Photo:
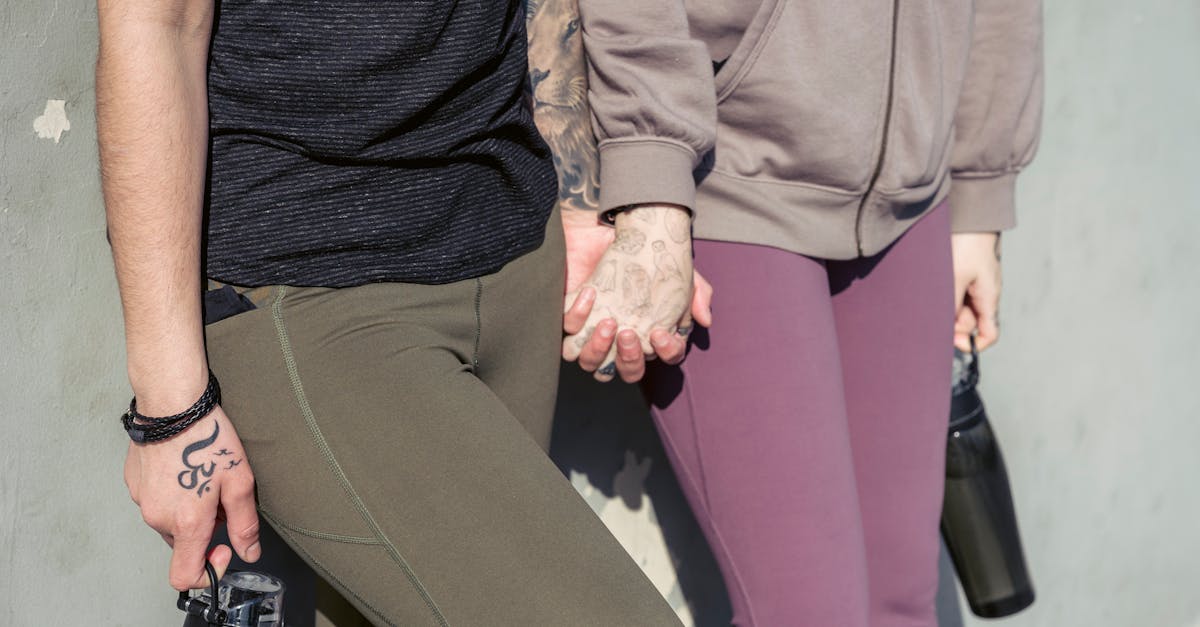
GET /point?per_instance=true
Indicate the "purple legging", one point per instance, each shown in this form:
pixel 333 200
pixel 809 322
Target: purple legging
pixel 808 428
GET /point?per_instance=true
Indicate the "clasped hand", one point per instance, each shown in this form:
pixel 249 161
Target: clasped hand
pixel 640 296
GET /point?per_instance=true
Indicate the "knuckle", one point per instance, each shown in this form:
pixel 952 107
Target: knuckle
pixel 238 488
pixel 249 533
pixel 154 519
pixel 180 582
pixel 188 521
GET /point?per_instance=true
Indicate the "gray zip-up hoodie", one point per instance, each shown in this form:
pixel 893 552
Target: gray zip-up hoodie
pixel 832 125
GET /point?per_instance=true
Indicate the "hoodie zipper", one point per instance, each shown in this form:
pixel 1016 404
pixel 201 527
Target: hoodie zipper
pixel 887 125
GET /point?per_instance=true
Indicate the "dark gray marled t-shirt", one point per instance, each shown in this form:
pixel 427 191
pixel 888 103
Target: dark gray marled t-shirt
pixel 357 141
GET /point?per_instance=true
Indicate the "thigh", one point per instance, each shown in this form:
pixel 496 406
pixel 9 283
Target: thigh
pixel 402 478
pixel 895 324
pixel 520 332
pixel 754 422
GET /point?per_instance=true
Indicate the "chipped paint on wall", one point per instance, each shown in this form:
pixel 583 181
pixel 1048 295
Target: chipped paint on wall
pixel 53 122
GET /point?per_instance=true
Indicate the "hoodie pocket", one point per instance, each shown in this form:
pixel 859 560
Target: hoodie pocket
pixel 803 96
pixel 933 39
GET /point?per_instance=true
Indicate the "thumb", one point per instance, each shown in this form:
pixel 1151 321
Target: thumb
pixel 701 310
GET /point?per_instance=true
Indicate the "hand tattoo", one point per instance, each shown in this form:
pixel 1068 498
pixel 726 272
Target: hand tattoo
pixel 190 479
pixel 636 290
pixel 222 452
pixel 605 277
pixel 667 314
pixel 645 216
pixel 232 463
pixel 629 241
pixel 665 267
pixel 679 226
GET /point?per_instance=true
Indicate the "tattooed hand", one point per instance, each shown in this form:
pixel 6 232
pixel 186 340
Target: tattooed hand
pixel 641 292
pixel 186 484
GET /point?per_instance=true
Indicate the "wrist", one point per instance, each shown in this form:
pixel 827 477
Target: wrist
pixel 650 212
pixel 582 220
pixel 143 428
pixel 168 389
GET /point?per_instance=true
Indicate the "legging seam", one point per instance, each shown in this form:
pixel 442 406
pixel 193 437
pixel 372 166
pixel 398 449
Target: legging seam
pixel 329 576
pixel 320 535
pixel 737 576
pixel 323 445
pixel 478 323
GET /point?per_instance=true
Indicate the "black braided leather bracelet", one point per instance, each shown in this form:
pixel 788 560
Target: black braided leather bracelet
pixel 146 429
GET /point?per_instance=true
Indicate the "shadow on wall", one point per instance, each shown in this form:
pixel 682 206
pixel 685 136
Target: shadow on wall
pixel 605 442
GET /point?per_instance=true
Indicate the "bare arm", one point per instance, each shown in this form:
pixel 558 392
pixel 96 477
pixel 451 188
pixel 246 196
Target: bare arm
pixel 152 119
pixel 152 122
pixel 998 122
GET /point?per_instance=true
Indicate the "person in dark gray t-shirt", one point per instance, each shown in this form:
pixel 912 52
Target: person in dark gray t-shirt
pixel 367 175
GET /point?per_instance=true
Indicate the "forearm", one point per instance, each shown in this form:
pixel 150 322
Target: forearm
pixel 998 119
pixel 558 79
pixel 650 87
pixel 152 123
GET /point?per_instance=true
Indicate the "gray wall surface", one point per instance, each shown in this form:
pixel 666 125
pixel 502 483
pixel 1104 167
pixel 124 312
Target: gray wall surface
pixel 70 546
pixel 1091 389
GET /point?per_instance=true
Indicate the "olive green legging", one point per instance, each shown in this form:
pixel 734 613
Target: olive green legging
pixel 397 433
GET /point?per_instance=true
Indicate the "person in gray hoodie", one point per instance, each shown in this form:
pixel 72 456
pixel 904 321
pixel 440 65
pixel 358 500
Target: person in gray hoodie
pixel 846 170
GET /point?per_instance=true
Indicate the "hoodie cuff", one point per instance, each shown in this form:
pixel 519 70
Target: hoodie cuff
pixel 983 204
pixel 640 172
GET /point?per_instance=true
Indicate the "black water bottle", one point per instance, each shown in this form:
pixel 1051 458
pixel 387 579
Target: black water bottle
pixel 978 521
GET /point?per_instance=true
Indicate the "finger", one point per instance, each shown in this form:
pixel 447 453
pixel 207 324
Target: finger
pixel 987 323
pixel 670 347
pixel 961 283
pixel 702 294
pixel 241 516
pixel 984 295
pixel 630 360
pixel 608 369
pixel 220 557
pixel 573 344
pixel 595 351
pixel 187 557
pixel 964 327
pixel 578 309
pixel 684 328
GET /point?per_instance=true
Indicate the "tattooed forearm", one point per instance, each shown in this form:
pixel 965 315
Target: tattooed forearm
pixel 558 94
pixel 198 476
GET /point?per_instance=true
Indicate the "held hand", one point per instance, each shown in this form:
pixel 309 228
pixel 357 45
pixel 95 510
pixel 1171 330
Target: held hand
pixel 586 241
pixel 184 485
pixel 976 289
pixel 642 286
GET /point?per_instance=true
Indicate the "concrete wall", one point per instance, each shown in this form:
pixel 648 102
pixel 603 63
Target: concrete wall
pixel 1092 389
pixel 70 546
pixel 1094 384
